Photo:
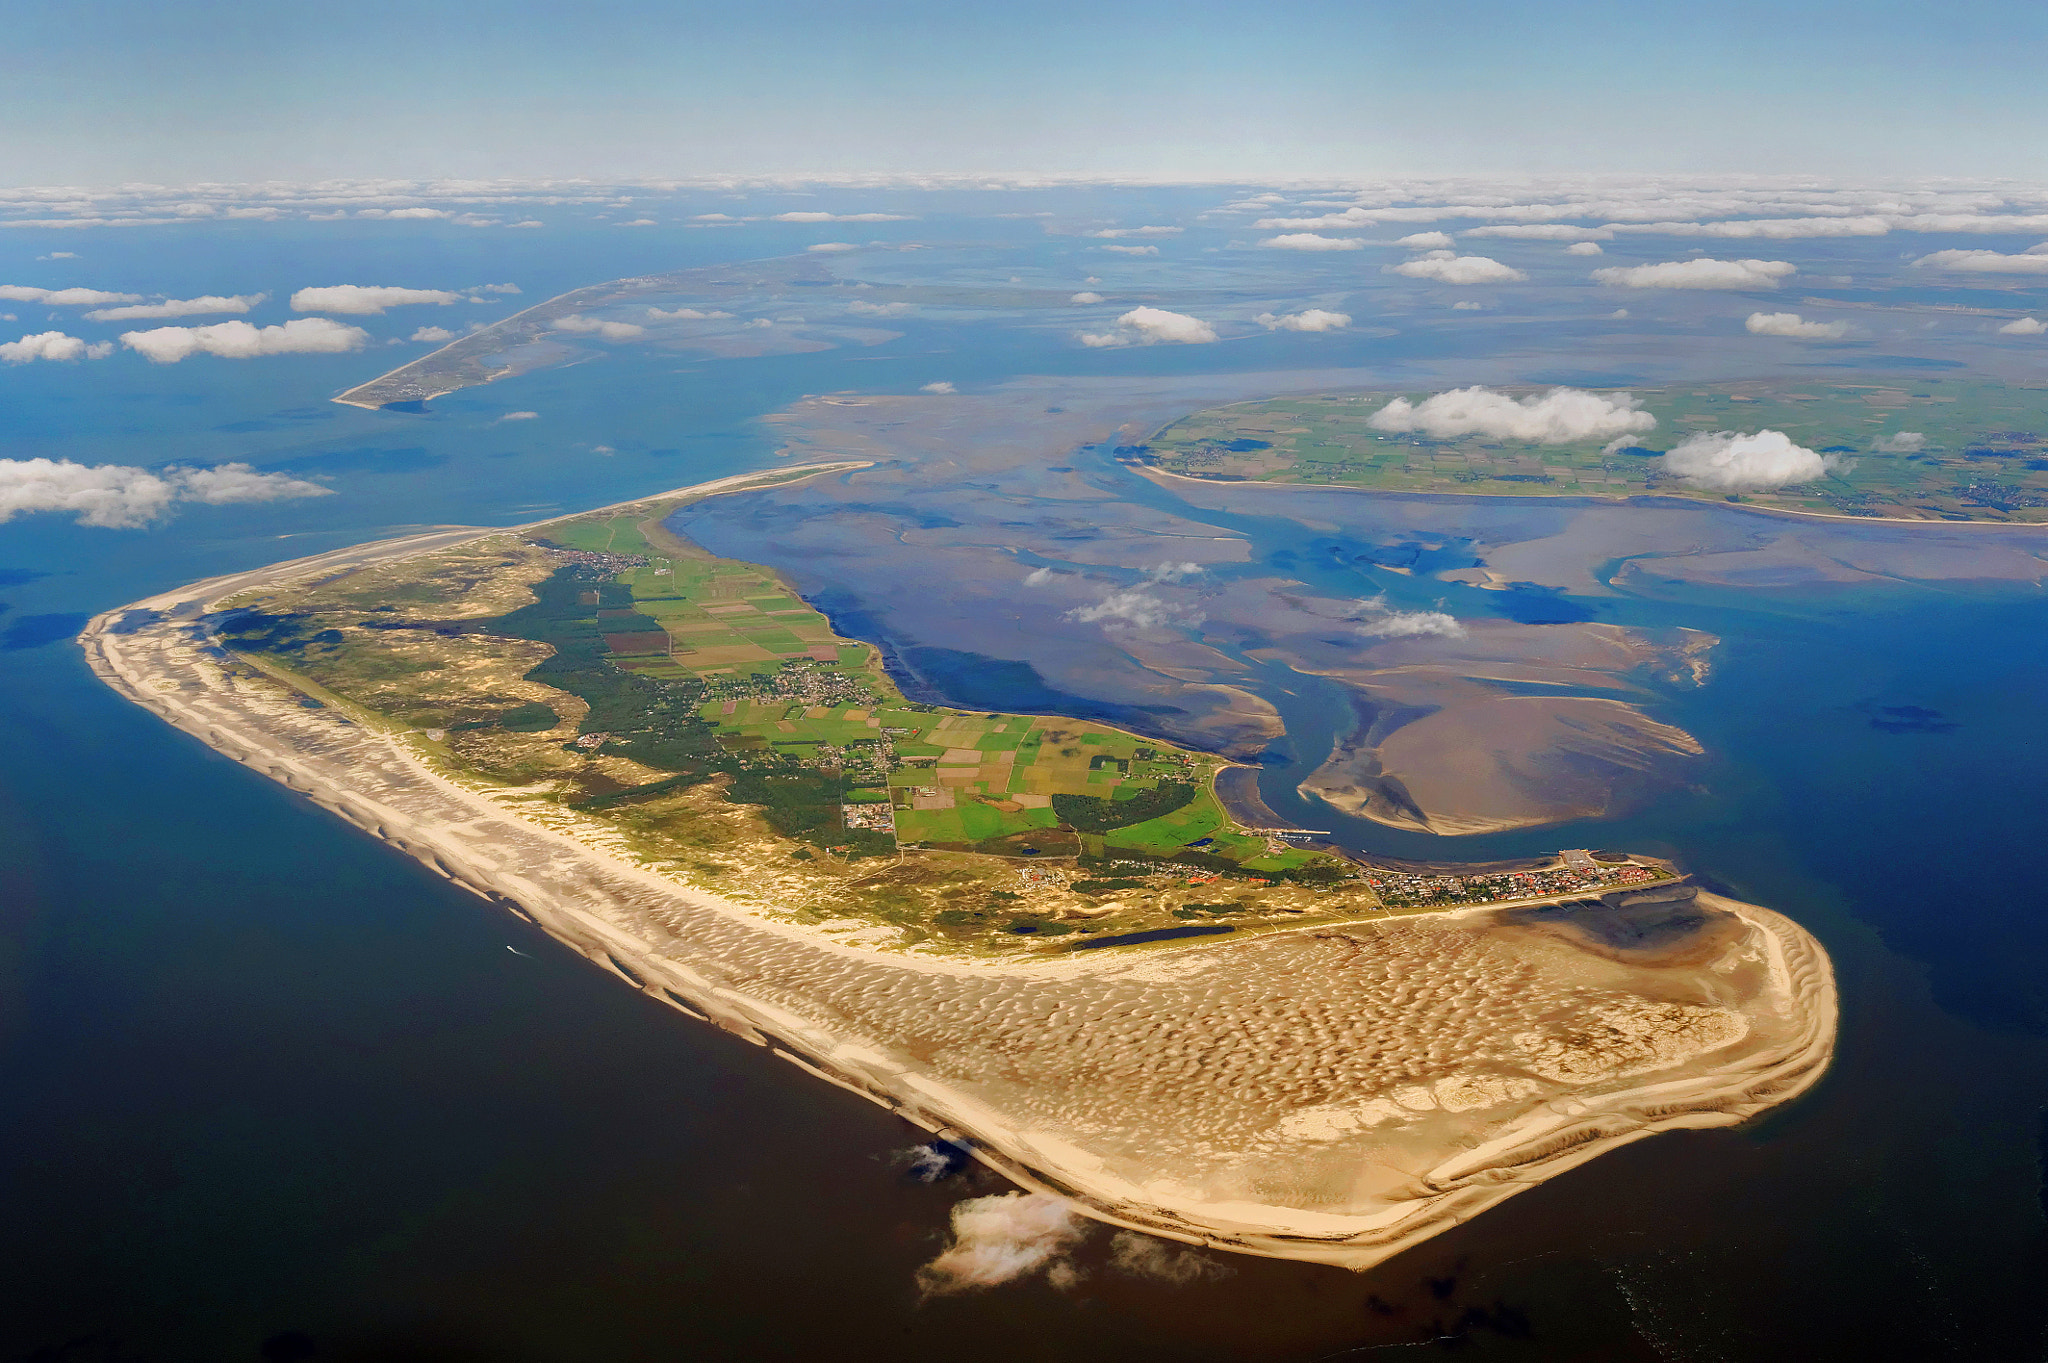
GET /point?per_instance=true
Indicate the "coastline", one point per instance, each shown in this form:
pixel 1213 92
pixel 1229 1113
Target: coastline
pixel 711 957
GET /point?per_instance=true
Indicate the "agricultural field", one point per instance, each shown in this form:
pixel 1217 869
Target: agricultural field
pixel 1932 449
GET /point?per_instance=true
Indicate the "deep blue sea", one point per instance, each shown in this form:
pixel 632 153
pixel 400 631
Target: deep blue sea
pixel 270 1091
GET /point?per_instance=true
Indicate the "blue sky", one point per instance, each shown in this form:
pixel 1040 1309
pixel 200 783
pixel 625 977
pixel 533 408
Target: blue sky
pixel 102 91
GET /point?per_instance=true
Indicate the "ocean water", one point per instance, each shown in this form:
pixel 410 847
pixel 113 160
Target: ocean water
pixel 271 1091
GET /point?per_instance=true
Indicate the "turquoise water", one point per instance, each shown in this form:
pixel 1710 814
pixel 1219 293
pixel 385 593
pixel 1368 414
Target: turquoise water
pixel 271 1091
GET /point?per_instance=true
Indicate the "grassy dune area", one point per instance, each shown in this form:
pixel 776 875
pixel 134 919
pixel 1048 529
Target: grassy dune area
pixel 619 682
pixel 1931 449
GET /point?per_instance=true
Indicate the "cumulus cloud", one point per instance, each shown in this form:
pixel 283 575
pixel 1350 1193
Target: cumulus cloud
pixel 1426 241
pixel 1151 326
pixel 1309 319
pixel 179 307
pixel 687 315
pixel 1134 232
pixel 1561 416
pixel 1735 461
pixel 1791 324
pixel 1466 305
pixel 1142 1256
pixel 867 309
pixel 1900 442
pixel 366 300
pixel 577 324
pixel 117 496
pixel 59 255
pixel 941 386
pixel 637 222
pixel 1038 577
pixel 2025 326
pixel 1975 262
pixel 1377 617
pixel 529 222
pixel 1704 273
pixel 1539 231
pixel 839 217
pixel 1584 248
pixel 1085 297
pixel 51 345
pixel 1140 607
pixel 402 214
pixel 1131 250
pixel 1776 229
pixel 241 341
pixel 1350 217
pixel 1000 1239
pixel 63 298
pixel 433 335
pixel 497 288
pixel 1448 268
pixel 1309 241
pixel 825 246
pixel 520 416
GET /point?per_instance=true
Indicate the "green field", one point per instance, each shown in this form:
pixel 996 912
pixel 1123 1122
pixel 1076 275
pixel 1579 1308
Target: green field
pixel 1983 453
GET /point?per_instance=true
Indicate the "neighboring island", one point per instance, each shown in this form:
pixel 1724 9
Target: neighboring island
pixel 1949 449
pixel 1047 937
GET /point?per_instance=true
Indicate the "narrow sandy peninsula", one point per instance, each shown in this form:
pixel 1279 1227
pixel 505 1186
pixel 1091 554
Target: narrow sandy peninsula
pixel 1333 1093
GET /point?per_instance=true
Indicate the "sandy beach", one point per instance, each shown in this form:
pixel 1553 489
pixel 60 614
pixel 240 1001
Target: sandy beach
pixel 1330 1094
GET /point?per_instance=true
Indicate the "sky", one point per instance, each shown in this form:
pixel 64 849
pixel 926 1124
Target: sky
pixel 102 92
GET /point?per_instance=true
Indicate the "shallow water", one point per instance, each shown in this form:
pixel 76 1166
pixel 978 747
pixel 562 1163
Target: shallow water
pixel 270 1088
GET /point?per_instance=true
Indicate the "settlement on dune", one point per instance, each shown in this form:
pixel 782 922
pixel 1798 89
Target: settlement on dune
pixel 1051 939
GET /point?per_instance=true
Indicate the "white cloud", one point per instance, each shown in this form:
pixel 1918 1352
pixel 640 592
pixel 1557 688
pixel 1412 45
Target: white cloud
pixel 1466 305
pixel 1734 461
pixel 867 309
pixel 1086 298
pixel 1900 442
pixel 520 416
pixel 1134 232
pixel 63 298
pixel 637 222
pixel 597 326
pixel 1309 319
pixel 1776 229
pixel 433 335
pixel 839 217
pixel 529 222
pixel 116 496
pixel 1350 217
pixel 1584 248
pixel 1561 416
pixel 1131 250
pixel 1426 241
pixel 59 255
pixel 1618 314
pixel 1038 577
pixel 941 386
pixel 497 288
pixel 832 246
pixel 1792 325
pixel 1139 607
pixel 1976 262
pixel 1446 268
pixel 1142 1256
pixel 1309 241
pixel 475 220
pixel 51 345
pixel 1150 326
pixel 401 213
pixel 999 1239
pixel 1540 231
pixel 1377 617
pixel 1704 273
pixel 366 300
pixel 2025 326
pixel 179 307
pixel 241 341
pixel 687 315
pixel 760 322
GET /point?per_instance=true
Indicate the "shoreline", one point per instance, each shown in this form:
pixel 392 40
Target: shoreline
pixel 705 956
pixel 1657 500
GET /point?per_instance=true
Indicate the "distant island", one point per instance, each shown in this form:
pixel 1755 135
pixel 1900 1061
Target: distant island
pixel 1063 943
pixel 1948 449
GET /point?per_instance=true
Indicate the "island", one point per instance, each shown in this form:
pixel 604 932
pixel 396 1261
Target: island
pixel 1085 953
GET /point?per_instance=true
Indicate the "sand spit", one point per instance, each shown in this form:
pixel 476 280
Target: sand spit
pixel 1332 1095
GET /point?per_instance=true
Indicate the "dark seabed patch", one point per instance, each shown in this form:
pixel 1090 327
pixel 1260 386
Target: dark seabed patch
pixel 1906 719
pixel 33 631
pixel 15 577
pixel 405 459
